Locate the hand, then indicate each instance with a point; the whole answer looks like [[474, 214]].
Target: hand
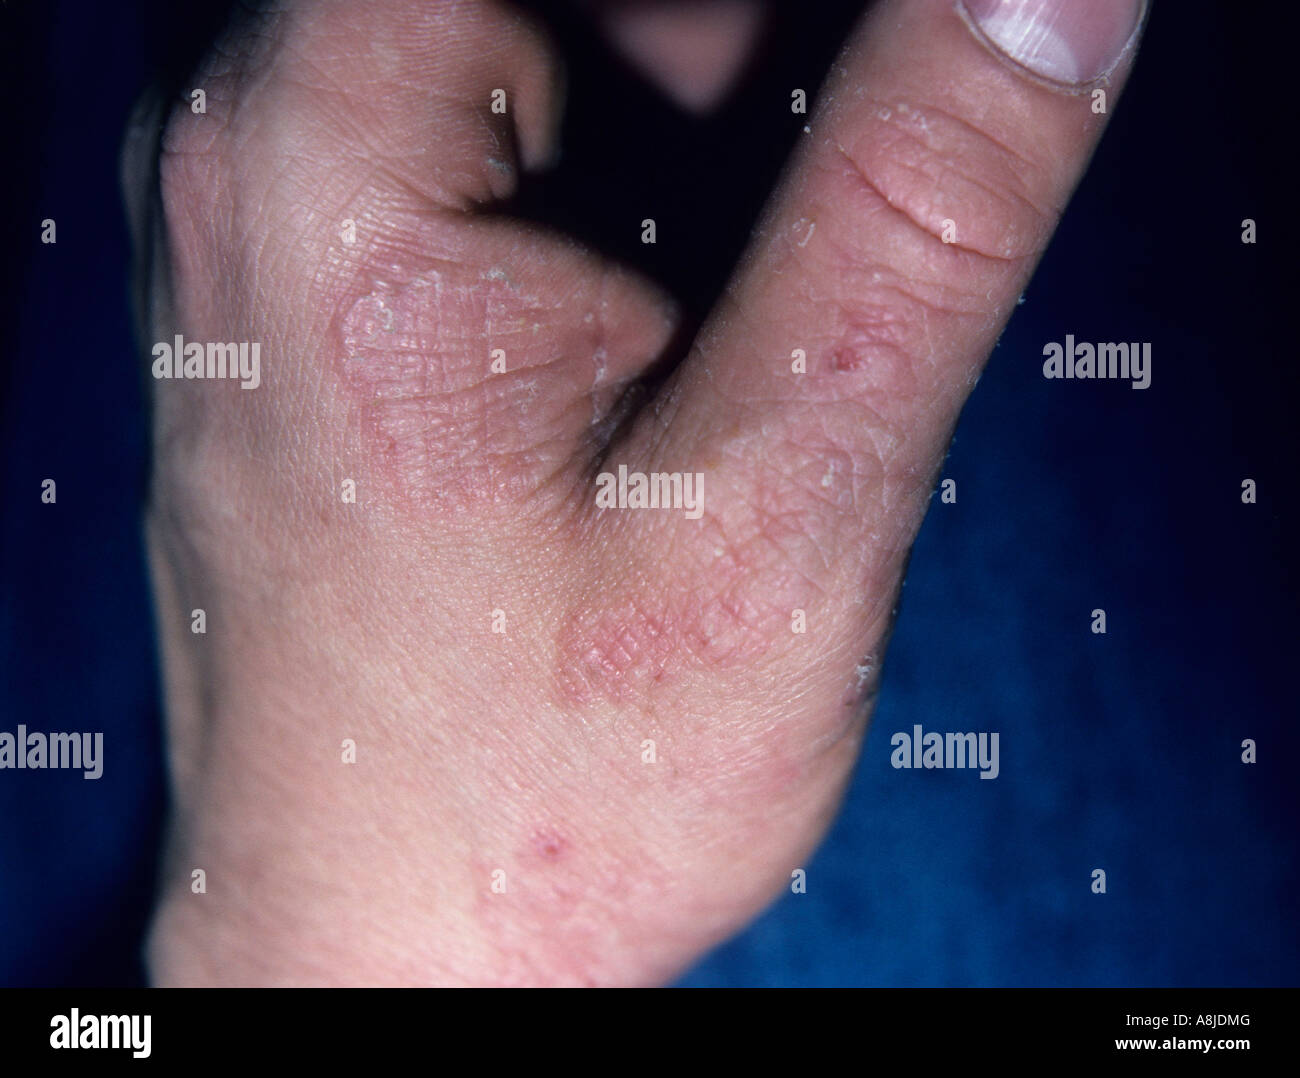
[[589, 742]]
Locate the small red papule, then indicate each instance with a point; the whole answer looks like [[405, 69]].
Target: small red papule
[[549, 845], [845, 359]]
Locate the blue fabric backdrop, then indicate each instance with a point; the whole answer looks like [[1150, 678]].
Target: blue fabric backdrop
[[1119, 752]]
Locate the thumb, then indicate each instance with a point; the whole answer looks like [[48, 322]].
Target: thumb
[[821, 394]]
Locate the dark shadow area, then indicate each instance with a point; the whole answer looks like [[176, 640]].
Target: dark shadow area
[[1119, 752]]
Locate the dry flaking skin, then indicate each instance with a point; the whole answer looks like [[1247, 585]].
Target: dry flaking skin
[[452, 721]]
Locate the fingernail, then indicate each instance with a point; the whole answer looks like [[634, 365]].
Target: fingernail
[[1065, 41]]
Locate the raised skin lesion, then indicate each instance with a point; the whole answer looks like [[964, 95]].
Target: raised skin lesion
[[485, 357], [621, 647], [698, 599], [620, 650], [417, 354]]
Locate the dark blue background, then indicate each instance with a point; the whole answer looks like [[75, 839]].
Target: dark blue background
[[1119, 752]]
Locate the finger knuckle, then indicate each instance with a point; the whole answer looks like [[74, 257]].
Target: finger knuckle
[[948, 180]]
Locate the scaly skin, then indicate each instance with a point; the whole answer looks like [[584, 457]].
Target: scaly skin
[[520, 756]]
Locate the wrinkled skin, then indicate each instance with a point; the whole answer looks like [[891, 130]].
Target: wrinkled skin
[[484, 756]]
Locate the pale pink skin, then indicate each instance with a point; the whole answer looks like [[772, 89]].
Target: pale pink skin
[[522, 751]]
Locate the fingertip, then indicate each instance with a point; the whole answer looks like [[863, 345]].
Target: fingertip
[[1066, 44]]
